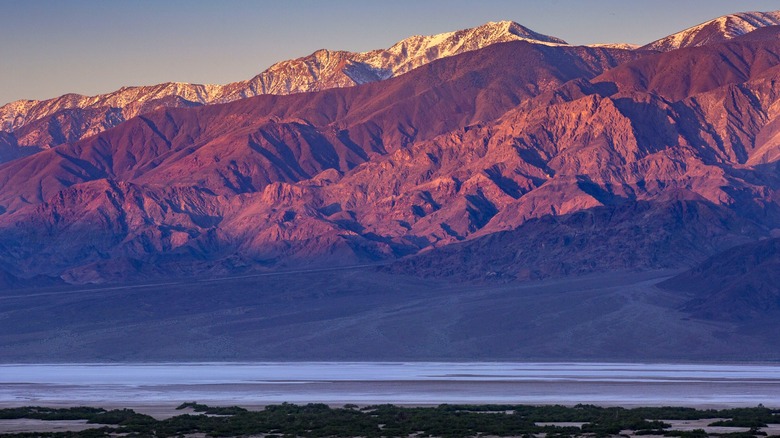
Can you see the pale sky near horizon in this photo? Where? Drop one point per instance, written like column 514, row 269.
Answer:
column 51, row 47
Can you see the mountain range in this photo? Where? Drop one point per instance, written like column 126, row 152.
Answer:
column 488, row 154
column 32, row 125
column 71, row 117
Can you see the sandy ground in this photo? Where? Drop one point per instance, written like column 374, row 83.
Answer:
column 22, row 425
column 772, row 429
column 562, row 424
column 158, row 411
column 688, row 425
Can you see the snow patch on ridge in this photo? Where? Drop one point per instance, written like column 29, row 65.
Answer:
column 321, row 70
column 716, row 30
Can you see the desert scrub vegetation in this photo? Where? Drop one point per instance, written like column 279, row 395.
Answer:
column 317, row 420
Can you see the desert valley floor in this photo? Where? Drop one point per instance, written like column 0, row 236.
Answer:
column 363, row 313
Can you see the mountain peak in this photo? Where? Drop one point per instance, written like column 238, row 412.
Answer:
column 622, row 46
column 414, row 51
column 514, row 28
column 479, row 36
column 320, row 70
column 521, row 31
column 716, row 30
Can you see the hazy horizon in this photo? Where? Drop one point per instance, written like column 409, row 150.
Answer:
column 91, row 47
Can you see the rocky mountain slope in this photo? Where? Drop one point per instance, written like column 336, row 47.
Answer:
column 29, row 126
column 665, row 167
column 716, row 31
column 222, row 175
column 518, row 160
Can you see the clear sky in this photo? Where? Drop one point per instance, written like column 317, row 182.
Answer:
column 52, row 47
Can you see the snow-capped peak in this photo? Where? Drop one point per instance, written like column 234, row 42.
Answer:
column 417, row 50
column 321, row 70
column 474, row 38
column 622, row 46
column 717, row 30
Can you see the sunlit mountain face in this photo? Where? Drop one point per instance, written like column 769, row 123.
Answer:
column 493, row 155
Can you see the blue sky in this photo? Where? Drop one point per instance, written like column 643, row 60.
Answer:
column 48, row 48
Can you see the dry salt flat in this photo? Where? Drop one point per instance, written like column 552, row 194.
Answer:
column 165, row 385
